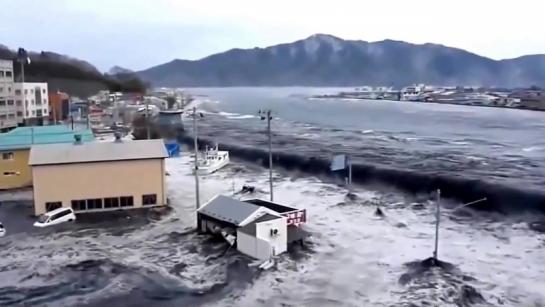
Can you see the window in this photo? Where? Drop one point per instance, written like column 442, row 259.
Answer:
column 11, row 173
column 111, row 202
column 26, row 112
column 2, row 103
column 12, row 115
column 11, row 102
column 9, row 89
column 79, row 205
column 31, row 91
column 50, row 206
column 126, row 201
column 60, row 214
column 3, row 116
column 45, row 111
column 32, row 101
column 43, row 91
column 26, row 92
column 1, row 89
column 1, row 73
column 95, row 203
column 149, row 199
column 7, row 156
column 19, row 113
column 19, row 103
column 17, row 92
column 33, row 112
column 8, row 73
column 45, row 100
column 26, row 103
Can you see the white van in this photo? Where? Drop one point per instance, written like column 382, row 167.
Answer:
column 2, row 230
column 55, row 217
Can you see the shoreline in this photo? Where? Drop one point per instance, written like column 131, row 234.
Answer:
column 413, row 101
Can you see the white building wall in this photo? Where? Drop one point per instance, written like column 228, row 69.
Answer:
column 254, row 247
column 32, row 100
column 8, row 110
column 246, row 244
column 279, row 242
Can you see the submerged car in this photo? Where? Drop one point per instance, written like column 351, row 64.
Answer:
column 55, row 217
column 2, row 230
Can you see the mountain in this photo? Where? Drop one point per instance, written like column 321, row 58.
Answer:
column 68, row 74
column 326, row 60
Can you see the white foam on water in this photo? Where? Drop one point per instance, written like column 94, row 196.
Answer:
column 533, row 148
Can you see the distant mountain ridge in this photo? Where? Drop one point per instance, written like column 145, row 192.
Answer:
column 326, row 60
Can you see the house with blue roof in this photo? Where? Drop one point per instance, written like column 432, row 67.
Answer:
column 15, row 150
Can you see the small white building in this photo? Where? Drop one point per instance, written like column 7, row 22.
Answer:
column 32, row 100
column 264, row 237
column 261, row 232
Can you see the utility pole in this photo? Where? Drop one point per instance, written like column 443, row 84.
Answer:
column 349, row 162
column 195, row 144
column 437, row 220
column 22, row 72
column 147, row 118
column 22, row 57
column 269, row 117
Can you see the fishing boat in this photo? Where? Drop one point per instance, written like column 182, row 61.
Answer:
column 212, row 160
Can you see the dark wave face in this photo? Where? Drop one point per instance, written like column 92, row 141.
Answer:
column 469, row 153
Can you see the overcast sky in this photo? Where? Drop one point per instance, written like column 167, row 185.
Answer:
column 138, row 34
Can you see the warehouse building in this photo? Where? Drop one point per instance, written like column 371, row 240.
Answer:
column 15, row 149
column 92, row 177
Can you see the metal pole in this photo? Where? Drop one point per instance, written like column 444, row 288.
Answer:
column 270, row 154
column 23, row 72
column 349, row 173
column 147, row 118
column 437, row 220
column 196, row 158
column 88, row 119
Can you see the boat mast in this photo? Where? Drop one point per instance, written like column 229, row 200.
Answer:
column 195, row 144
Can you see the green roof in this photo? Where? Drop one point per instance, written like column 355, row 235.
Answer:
column 25, row 137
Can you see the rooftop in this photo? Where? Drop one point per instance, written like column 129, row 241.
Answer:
column 228, row 209
column 97, row 152
column 25, row 137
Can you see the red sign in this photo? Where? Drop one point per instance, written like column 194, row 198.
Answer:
column 296, row 218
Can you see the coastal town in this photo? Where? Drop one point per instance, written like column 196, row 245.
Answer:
column 49, row 134
column 532, row 98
